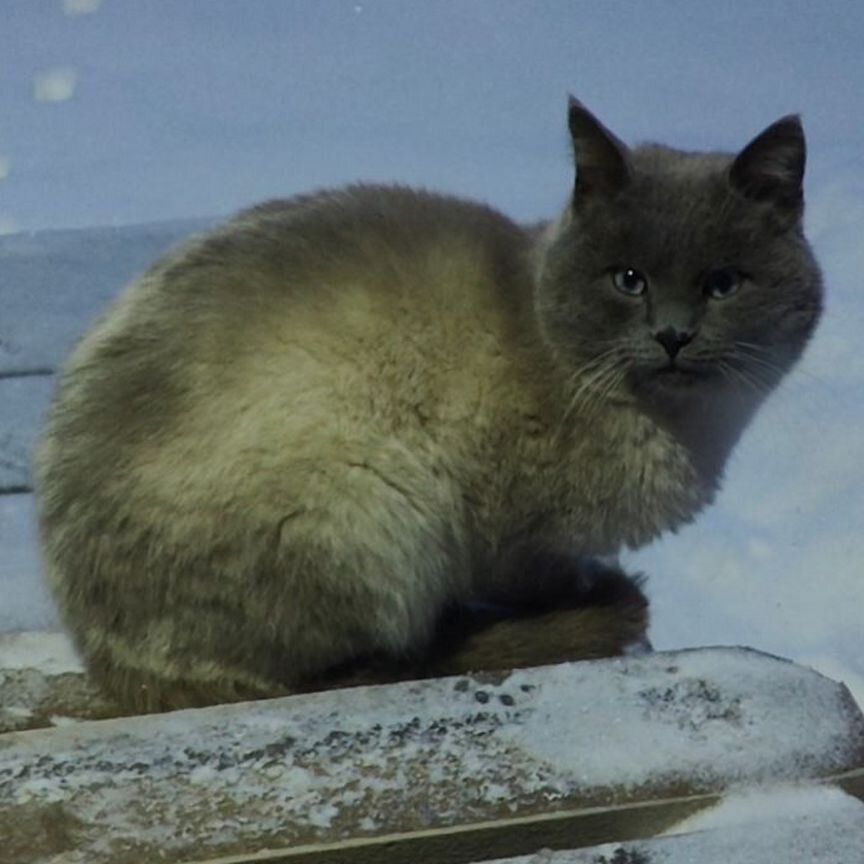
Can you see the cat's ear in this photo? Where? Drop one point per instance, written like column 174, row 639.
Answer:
column 602, row 161
column 771, row 167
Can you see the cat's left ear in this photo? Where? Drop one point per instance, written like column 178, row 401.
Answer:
column 602, row 160
column 771, row 167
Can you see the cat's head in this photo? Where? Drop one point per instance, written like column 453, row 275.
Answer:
column 680, row 276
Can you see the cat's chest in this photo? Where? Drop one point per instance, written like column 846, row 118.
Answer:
column 620, row 480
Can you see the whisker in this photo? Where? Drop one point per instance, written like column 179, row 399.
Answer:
column 753, row 382
column 764, row 353
column 736, row 373
column 591, row 382
column 760, row 358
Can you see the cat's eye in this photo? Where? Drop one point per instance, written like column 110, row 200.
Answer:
column 723, row 283
column 629, row 281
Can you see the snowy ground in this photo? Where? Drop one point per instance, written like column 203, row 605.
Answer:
column 139, row 112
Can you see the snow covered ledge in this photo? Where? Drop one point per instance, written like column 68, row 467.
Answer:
column 782, row 826
column 456, row 770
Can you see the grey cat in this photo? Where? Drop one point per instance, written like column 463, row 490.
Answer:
column 298, row 449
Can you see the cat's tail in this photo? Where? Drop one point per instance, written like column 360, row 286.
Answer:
column 601, row 611
column 575, row 619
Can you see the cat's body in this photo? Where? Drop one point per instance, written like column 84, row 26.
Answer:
column 299, row 439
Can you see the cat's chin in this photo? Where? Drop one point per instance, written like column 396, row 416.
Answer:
column 675, row 381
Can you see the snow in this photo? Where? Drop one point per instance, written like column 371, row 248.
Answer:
column 187, row 110
column 814, row 826
column 718, row 716
column 55, row 85
column 81, row 7
column 55, row 282
column 446, row 752
column 183, row 110
column 22, row 404
column 50, row 653
column 766, row 804
column 24, row 600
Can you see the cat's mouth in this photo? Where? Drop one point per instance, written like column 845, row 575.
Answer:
column 677, row 376
column 683, row 374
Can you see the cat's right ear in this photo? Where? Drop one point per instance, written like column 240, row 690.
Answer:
column 602, row 161
column 771, row 166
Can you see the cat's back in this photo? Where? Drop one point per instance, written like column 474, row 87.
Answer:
column 389, row 238
column 361, row 260
column 350, row 315
column 391, row 297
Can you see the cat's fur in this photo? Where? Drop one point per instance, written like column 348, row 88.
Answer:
column 306, row 438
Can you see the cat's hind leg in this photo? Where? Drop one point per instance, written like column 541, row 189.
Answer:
column 360, row 569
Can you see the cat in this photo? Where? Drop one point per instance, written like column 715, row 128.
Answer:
column 374, row 432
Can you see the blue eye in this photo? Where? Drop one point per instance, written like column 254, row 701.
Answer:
column 720, row 284
column 629, row 281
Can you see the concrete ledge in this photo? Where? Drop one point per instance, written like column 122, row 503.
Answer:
column 832, row 834
column 453, row 770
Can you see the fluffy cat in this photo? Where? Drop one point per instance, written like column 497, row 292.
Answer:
column 305, row 443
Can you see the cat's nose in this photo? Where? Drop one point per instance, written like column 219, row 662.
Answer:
column 673, row 340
